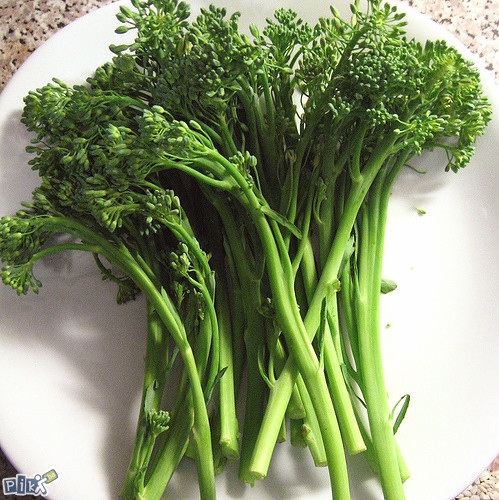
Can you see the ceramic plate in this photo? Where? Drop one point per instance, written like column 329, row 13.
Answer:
column 71, row 359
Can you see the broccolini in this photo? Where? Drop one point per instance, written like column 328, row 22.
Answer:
column 240, row 182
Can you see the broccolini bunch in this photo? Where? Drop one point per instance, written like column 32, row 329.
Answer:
column 241, row 183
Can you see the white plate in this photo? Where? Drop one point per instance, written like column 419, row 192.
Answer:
column 71, row 359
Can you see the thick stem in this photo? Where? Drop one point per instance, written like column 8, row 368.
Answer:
column 271, row 422
column 229, row 427
column 333, row 360
column 247, row 286
column 297, row 338
column 369, row 335
column 170, row 452
column 166, row 311
column 371, row 370
column 156, row 368
column 256, row 393
column 284, row 384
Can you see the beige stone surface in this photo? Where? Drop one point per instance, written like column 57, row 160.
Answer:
column 474, row 22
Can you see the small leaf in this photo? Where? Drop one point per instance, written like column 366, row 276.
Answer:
column 321, row 333
column 388, row 286
column 209, row 389
column 261, row 367
column 150, row 395
column 280, row 219
column 349, row 250
column 406, row 399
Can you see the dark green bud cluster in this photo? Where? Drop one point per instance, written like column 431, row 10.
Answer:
column 233, row 53
column 246, row 164
column 110, row 207
column 368, row 73
column 420, row 131
column 159, row 26
column 181, row 261
column 160, row 208
column 189, row 279
column 20, row 278
column 157, row 421
column 56, row 97
column 127, row 291
column 288, row 35
column 171, row 138
column 122, row 73
column 22, row 235
column 165, row 203
column 85, row 131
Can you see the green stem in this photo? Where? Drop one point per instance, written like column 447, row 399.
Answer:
column 297, row 338
column 170, row 451
column 275, row 411
column 281, row 279
column 247, row 284
column 334, row 258
column 256, row 391
column 284, row 384
column 156, row 368
column 250, row 105
column 229, row 428
column 369, row 335
column 333, row 360
column 310, row 427
column 64, row 247
column 371, row 370
column 120, row 256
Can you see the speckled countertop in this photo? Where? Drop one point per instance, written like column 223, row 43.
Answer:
column 27, row 24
